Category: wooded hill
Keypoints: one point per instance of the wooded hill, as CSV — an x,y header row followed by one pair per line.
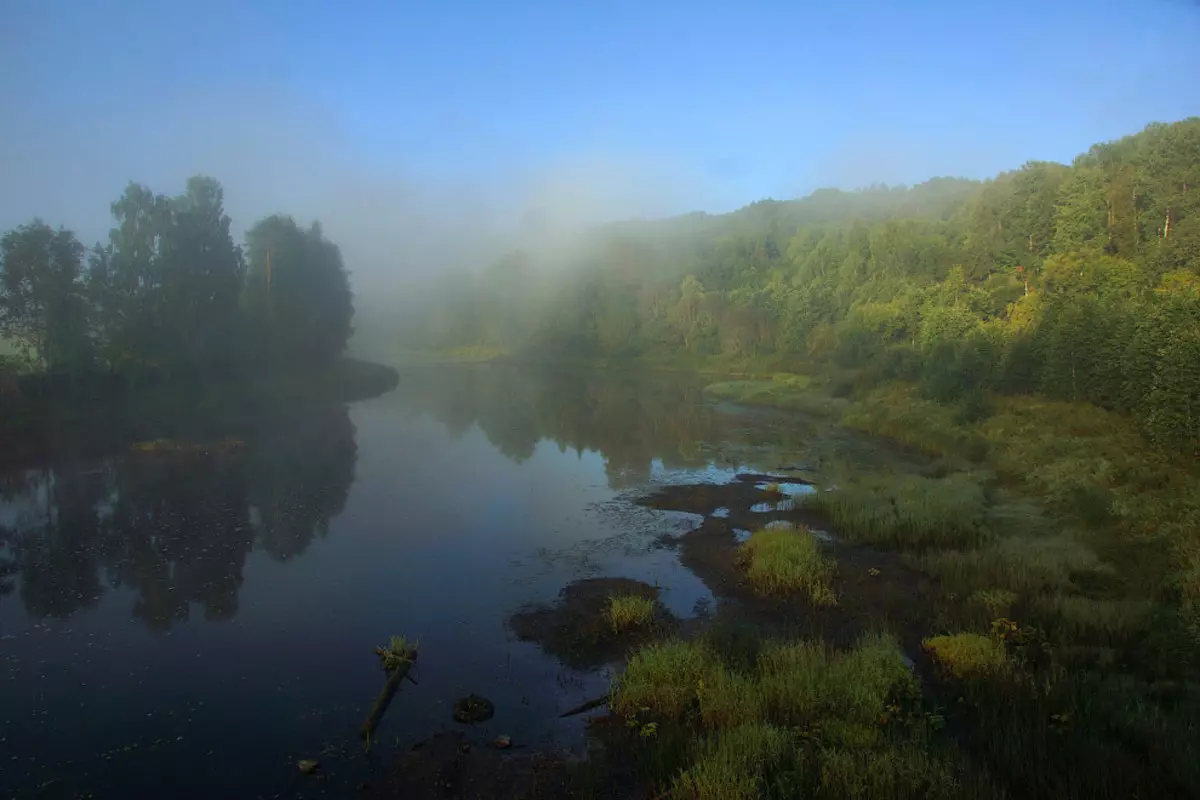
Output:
x,y
1079,282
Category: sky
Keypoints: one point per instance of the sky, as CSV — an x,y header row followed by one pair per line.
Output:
x,y
423,133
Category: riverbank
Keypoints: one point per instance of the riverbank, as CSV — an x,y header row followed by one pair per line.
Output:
x,y
43,417
1014,615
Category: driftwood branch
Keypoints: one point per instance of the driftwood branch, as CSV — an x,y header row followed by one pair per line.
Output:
x,y
588,706
395,678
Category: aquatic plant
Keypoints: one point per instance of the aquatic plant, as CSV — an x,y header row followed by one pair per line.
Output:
x,y
398,653
626,611
781,560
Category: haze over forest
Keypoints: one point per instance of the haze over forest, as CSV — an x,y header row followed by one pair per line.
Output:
x,y
424,139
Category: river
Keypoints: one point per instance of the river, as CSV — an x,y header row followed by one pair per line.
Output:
x,y
191,624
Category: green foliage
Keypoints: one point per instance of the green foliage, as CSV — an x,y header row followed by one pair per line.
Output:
x,y
1042,279
169,294
43,300
779,561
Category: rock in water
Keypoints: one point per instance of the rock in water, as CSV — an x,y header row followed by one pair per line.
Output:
x,y
472,709
308,766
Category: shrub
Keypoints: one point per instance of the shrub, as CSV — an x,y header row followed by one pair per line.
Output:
x,y
783,560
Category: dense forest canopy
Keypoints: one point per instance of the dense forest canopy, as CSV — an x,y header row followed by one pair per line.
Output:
x,y
171,294
1079,282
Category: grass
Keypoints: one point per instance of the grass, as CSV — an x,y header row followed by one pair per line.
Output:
x,y
662,678
907,510
1025,565
735,764
802,720
780,561
628,611
968,656
398,652
782,390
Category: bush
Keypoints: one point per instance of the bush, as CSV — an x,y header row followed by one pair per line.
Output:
x,y
783,560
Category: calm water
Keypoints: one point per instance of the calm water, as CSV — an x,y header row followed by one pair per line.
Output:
x,y
190,626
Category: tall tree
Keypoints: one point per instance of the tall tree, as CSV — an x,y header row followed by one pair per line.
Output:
x,y
298,291
43,304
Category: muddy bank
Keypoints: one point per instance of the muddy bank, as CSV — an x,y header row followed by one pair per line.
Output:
x,y
578,630
874,588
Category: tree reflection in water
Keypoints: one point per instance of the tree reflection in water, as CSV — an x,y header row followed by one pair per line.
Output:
x,y
175,527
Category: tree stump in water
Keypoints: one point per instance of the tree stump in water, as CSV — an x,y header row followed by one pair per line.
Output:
x,y
472,709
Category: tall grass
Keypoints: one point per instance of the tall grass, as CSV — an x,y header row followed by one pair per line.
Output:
x,y
782,560
1019,564
734,765
663,679
805,720
907,510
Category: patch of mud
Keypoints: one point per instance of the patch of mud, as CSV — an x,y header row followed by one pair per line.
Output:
x,y
577,631
449,766
875,589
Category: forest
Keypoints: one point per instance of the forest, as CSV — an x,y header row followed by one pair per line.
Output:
x,y
170,296
1079,283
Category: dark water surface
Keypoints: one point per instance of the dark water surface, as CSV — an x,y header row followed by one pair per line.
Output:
x,y
189,625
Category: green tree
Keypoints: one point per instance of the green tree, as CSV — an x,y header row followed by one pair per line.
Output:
x,y
298,291
43,301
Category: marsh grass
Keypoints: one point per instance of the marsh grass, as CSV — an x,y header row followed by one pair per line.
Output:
x,y
662,679
803,720
783,560
734,765
789,392
1025,565
970,656
628,611
1069,618
907,510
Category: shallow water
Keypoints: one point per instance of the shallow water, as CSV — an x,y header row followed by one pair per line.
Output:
x,y
191,625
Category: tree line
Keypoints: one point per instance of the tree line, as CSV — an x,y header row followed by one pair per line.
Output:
x,y
171,294
1077,282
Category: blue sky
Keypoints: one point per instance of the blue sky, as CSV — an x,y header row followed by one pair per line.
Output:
x,y
438,109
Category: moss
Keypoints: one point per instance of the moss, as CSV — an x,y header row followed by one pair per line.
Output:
x,y
779,561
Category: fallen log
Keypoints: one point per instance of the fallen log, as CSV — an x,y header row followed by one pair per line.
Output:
x,y
382,702
397,659
588,706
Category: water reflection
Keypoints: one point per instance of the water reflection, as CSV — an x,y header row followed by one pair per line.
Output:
x,y
631,418
174,527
